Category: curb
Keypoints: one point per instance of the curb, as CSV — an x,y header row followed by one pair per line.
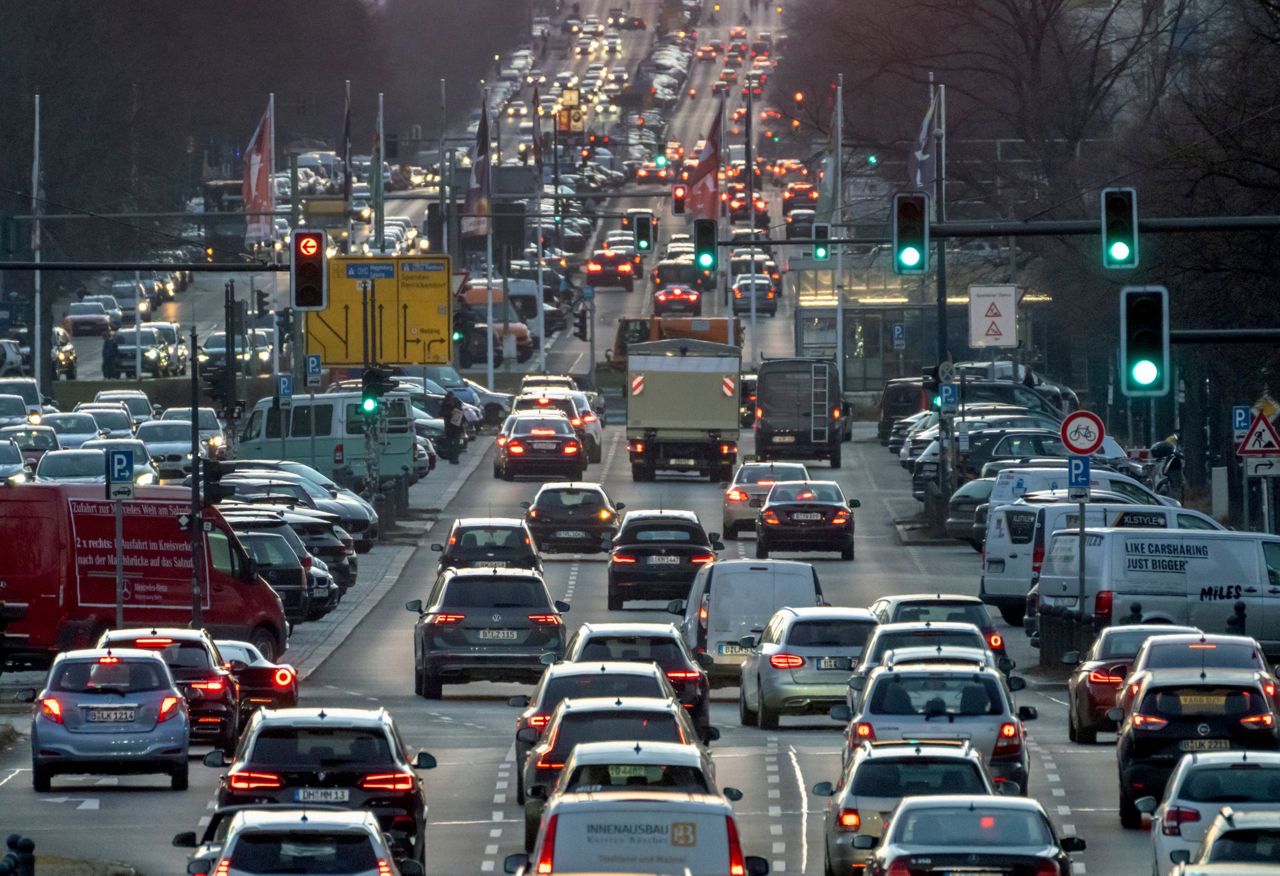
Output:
x,y
917,537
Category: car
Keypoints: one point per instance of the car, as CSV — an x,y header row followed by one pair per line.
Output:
x,y
1236,844
655,555
572,516
87,318
745,494
14,469
562,681
33,441
876,780
1195,650
302,493
73,429
806,516
484,625
1177,711
538,443
677,300
488,543
13,410
655,643
112,419
175,344
72,467
944,607
757,288
958,832
169,445
799,664
610,267
213,353
108,710
327,754
1099,676
575,407
139,405
323,591
207,843
213,698
366,534
263,684
911,634
140,352
208,425
282,569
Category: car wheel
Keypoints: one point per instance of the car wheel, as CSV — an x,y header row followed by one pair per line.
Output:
x,y
530,833
1130,817
746,717
828,868
179,778
432,687
507,474
762,550
265,641
520,787
417,681
766,718
730,532
1071,724
846,553
1086,735
1013,614
41,778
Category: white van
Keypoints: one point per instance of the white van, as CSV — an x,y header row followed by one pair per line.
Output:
x,y
1013,483
1177,576
735,598
650,832
1017,534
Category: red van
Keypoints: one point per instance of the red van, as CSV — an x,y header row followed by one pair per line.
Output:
x,y
59,560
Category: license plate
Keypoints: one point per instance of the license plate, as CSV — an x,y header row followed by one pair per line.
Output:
x,y
834,663
570,533
729,649
544,445
664,561
784,439
499,634
111,716
995,567
805,516
1205,745
1215,700
491,564
626,770
757,503
322,795
684,462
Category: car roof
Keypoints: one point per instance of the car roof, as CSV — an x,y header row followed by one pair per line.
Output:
x,y
613,704
624,628
1158,629
941,668
1195,678
961,749
600,802
1180,638
1027,804
98,653
493,573
303,818
915,626
595,667
829,612
637,752
178,634
510,522
939,653
1249,818
571,485
660,514
899,598
323,716
1219,758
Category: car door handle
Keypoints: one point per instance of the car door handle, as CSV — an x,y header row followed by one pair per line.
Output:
x,y
1013,556
1251,590
1273,591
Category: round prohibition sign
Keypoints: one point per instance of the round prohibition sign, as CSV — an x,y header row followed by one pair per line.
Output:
x,y
1082,432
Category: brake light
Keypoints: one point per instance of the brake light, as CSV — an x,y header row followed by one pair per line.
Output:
x,y
1037,559
835,413
51,708
306,562
661,296
1259,722
635,446
570,449
864,731
576,422
771,517
1102,604
727,449
624,268
702,612
547,857
515,448
1047,868
1174,817
1008,740
840,519
593,268
786,661
552,620
693,296
899,867
283,677
737,864
683,674
995,641
538,721
702,559
339,455
543,433
248,781
387,782
384,869
759,412
168,708
1269,688
604,514
849,820
735,495
150,642
588,418
622,559
1096,677
1148,722
208,686
443,619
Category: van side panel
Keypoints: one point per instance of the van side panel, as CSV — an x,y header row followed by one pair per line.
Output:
x,y
616,838
36,575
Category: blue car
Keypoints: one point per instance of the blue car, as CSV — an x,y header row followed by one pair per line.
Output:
x,y
109,710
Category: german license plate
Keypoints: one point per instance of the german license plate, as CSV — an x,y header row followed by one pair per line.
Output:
x,y
729,649
111,716
664,561
784,439
626,770
833,663
491,564
499,634
322,795
684,462
570,533
757,503
544,445
1205,745
806,516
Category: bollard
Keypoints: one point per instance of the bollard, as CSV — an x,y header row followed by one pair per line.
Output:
x,y
26,849
402,496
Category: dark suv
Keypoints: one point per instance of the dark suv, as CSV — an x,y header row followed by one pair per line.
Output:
x,y
347,757
484,625
488,543
1186,710
572,516
656,554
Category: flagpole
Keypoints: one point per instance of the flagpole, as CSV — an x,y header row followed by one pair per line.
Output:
x,y
837,217
37,345
380,204
940,207
722,279
488,243
751,211
271,145
443,244
346,169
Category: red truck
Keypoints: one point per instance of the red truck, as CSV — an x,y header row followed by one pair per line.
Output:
x,y
59,562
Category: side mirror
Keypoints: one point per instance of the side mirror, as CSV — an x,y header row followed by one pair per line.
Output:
x,y
215,758
520,702
733,795
857,682
824,789
438,548
1146,805
1005,665
26,696
1072,844
840,712
1116,714
537,792
414,605
237,666
717,545
423,761
528,735
562,607
526,506
618,506
410,867
713,733
1008,789
1027,713
756,866
549,659
1070,658
1017,683
705,660
199,867
747,642
855,503
675,606
1180,856
864,842
515,863
185,840
713,537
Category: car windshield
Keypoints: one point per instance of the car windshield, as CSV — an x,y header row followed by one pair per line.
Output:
x,y
208,419
940,610
917,777
640,726
10,453
936,695
270,551
970,827
1259,845
12,406
33,439
1203,701
1242,782
508,540
72,464
1117,643
157,430
1210,655
662,650
319,746
664,531
630,776
167,333
494,593
70,424
107,675
242,651
598,684
830,634
137,404
82,308
25,389
114,421
264,852
142,337
828,493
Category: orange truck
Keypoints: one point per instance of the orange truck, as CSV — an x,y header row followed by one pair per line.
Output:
x,y
474,299
639,330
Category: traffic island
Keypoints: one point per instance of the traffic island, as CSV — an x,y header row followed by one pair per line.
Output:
x,y
918,532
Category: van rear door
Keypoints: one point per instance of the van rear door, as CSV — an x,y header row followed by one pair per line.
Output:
x,y
623,837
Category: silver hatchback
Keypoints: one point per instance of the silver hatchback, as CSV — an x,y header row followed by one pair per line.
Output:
x,y
745,495
109,710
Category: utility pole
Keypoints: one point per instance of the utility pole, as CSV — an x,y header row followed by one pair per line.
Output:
x,y
380,195
197,555
37,305
229,306
443,169
837,219
751,211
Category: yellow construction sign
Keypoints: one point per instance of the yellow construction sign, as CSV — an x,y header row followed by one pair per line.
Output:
x,y
409,303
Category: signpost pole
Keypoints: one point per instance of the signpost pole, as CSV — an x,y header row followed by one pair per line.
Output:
x,y
1082,433
119,487
119,564
312,408
197,619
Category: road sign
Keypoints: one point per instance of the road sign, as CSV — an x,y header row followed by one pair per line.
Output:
x,y
993,316
1082,432
1078,471
1262,467
1240,418
1260,440
946,372
284,389
899,336
314,369
411,312
588,293
119,474
950,398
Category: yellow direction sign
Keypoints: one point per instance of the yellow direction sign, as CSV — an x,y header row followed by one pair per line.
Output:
x,y
409,302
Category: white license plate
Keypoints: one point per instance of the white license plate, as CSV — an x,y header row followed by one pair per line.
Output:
x,y
570,533
491,564
1205,745
664,561
833,663
111,716
806,516
499,634
544,445
784,439
322,795
729,649
684,462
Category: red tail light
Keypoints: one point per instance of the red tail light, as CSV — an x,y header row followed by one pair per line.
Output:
x,y
551,620
1047,868
51,709
737,863
1008,740
576,422
995,641
771,518
621,559
661,296
593,268
542,433
339,455
1175,817
547,857
443,619
840,519
1102,604
683,674
702,613
248,781
307,561
283,677
168,708
1149,722
864,732
209,687
1037,558
538,721
624,268
384,869
849,820
1097,677
570,449
735,495
786,661
1259,722
693,296
702,559
109,660
898,868
728,449
515,448
152,642
387,782
589,418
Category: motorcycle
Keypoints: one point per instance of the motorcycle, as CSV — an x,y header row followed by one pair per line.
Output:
x,y
1167,462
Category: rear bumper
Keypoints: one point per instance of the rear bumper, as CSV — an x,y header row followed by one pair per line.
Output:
x,y
801,698
645,584
564,465
545,537
464,666
826,538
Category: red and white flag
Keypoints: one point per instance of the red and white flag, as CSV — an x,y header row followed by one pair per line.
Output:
x,y
703,199
258,197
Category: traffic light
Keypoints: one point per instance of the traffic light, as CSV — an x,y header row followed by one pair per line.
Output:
x,y
678,196
821,242
374,384
580,327
704,243
1144,341
660,160
931,391
910,233
1119,228
263,301
211,491
642,230
309,271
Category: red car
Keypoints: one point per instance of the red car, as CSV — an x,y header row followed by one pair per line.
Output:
x,y
86,318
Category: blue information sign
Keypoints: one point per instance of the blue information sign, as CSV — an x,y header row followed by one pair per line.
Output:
x,y
1078,473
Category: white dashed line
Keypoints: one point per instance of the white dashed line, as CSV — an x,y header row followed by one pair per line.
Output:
x,y
804,811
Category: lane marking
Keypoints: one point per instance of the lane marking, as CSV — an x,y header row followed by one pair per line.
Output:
x,y
804,811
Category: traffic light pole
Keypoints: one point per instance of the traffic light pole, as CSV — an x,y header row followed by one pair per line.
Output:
x,y
229,315
751,211
946,436
197,555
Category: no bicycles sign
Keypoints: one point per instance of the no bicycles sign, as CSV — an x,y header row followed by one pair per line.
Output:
x,y
1082,432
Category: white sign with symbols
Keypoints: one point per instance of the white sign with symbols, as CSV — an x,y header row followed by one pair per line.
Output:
x,y
993,316
120,474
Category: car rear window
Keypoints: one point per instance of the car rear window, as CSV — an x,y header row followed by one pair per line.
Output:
x,y
919,776
488,538
663,650
301,851
1260,845
598,684
630,776
1124,644
125,676
536,428
494,593
320,746
937,610
1207,701
1232,783
1022,526
772,474
553,499
1210,655
971,826
927,638
178,655
830,634
929,695
805,493
640,726
664,531
535,404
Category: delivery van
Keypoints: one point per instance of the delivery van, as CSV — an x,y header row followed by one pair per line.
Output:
x,y
649,832
1014,483
1176,576
64,571
327,433
735,598
1018,533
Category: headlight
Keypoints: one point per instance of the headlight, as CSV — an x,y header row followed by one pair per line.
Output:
x,y
151,354
264,355
242,356
202,357
217,441
145,479
18,478
188,454
35,418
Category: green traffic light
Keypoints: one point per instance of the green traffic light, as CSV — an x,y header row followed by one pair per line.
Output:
x,y
457,336
937,401
1119,251
820,253
660,161
909,256
1144,372
873,160
644,244
368,404
706,260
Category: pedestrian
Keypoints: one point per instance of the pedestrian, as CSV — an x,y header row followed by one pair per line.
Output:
x,y
109,356
451,413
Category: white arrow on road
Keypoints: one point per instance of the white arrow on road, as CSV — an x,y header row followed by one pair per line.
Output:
x,y
86,803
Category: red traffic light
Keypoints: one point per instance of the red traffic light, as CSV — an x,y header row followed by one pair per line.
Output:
x,y
678,195
309,271
308,245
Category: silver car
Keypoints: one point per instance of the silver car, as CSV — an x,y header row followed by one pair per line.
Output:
x,y
109,710
169,443
745,494
908,634
800,664
73,429
72,467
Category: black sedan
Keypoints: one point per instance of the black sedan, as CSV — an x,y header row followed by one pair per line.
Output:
x,y
677,300
572,517
540,445
488,543
263,684
806,516
656,554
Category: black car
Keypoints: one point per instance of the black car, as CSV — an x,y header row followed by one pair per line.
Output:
x,y
488,543
806,516
538,445
660,644
679,300
263,684
484,625
353,515
322,590
348,757
656,554
282,569
747,399
572,516
320,534
141,344
1177,711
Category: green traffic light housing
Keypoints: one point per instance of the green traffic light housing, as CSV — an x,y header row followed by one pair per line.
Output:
x,y
704,243
910,233
1144,341
661,159
821,242
1119,229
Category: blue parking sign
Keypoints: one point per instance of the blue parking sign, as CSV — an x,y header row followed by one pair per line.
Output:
x,y
120,466
1078,471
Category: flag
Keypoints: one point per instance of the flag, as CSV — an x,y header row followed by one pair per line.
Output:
x,y
922,164
703,199
537,137
346,152
256,188
476,212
